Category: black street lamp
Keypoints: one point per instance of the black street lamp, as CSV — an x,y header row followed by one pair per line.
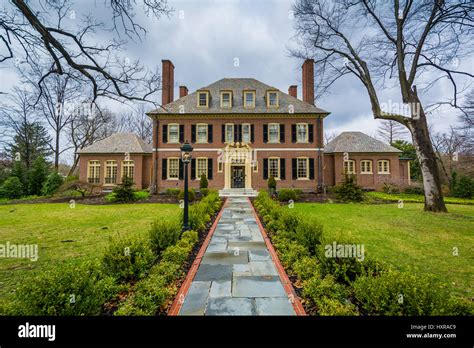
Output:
x,y
186,156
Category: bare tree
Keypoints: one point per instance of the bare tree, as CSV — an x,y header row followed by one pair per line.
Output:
x,y
33,30
390,131
136,121
396,40
329,136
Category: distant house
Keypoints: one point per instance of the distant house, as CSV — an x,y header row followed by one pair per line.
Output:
x,y
243,132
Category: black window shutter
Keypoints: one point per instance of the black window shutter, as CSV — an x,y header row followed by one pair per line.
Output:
x,y
311,168
181,133
240,132
181,170
223,133
209,168
282,169
294,170
193,169
165,133
282,133
265,133
209,134
310,133
251,133
293,133
236,132
164,168
265,168
193,133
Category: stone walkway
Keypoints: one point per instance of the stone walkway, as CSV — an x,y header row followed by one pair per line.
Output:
x,y
237,275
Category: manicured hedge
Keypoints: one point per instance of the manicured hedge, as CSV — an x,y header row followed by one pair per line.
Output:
x,y
347,286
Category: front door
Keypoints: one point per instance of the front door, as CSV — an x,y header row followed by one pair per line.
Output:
x,y
237,177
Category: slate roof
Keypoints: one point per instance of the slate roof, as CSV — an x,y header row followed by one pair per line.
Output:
x,y
237,86
119,143
357,142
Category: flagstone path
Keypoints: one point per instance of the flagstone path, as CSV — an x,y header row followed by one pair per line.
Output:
x,y
237,275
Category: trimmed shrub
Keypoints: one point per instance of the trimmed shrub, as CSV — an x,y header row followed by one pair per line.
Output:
x,y
139,195
415,189
177,254
401,293
284,195
124,192
464,187
191,194
12,188
309,233
272,184
325,293
306,268
38,176
164,233
349,191
389,187
204,191
127,258
52,184
203,183
331,307
65,289
83,188
173,192
198,217
289,251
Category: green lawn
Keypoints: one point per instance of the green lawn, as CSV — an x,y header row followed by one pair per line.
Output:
x,y
408,237
67,234
412,198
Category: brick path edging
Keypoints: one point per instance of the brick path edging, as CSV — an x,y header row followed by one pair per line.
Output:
x,y
287,285
183,290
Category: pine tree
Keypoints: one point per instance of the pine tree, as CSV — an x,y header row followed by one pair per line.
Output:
x,y
19,172
37,176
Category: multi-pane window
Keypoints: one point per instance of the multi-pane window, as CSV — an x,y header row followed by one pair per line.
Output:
x,y
302,168
349,167
173,168
203,99
272,99
111,172
201,130
226,99
273,133
366,167
201,167
302,132
383,167
128,169
93,175
173,133
249,99
229,133
274,167
246,133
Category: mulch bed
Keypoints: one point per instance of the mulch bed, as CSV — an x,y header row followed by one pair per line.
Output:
x,y
98,199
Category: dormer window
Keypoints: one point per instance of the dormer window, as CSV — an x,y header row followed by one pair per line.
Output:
x,y
226,99
203,99
249,99
272,99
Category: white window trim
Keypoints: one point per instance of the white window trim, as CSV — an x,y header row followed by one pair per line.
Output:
x,y
133,166
169,138
198,177
354,171
279,169
268,99
278,139
197,133
230,99
245,99
371,167
199,97
220,166
93,164
307,168
388,167
233,132
307,133
168,168
107,166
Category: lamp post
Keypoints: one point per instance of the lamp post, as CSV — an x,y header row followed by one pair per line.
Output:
x,y
186,156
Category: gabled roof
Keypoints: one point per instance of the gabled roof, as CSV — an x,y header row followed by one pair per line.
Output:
x,y
357,142
119,143
237,86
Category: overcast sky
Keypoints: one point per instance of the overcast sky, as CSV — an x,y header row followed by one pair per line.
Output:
x,y
208,40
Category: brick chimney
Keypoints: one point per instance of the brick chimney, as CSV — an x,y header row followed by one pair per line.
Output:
x,y
308,81
293,91
167,79
183,91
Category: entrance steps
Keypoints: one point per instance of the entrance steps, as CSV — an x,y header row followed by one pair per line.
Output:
x,y
240,192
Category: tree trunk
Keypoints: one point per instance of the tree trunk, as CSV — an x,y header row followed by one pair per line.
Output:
x,y
56,152
74,166
424,149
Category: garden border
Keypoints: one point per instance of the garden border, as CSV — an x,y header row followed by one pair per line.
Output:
x,y
287,285
183,290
